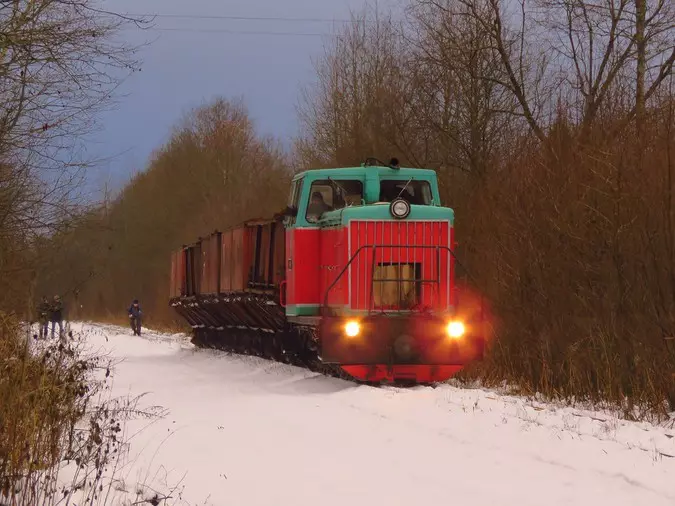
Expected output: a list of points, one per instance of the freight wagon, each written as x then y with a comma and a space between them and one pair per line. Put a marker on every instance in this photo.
357, 276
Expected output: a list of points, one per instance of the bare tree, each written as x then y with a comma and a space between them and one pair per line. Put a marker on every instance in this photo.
597, 43
60, 66
362, 103
575, 52
457, 74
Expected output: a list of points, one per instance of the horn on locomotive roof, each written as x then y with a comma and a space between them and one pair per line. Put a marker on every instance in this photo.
375, 162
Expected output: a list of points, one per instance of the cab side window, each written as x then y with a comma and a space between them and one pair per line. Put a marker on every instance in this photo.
331, 194
294, 200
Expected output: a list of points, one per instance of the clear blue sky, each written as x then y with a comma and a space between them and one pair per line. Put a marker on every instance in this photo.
185, 68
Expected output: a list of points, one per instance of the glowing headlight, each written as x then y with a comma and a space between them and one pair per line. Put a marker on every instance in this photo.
352, 329
455, 329
399, 208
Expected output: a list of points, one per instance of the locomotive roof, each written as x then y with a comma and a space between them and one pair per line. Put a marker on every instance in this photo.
363, 170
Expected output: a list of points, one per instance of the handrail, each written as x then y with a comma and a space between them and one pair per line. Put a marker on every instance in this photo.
374, 248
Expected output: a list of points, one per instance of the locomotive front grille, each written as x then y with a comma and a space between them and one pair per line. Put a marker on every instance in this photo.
399, 265
397, 285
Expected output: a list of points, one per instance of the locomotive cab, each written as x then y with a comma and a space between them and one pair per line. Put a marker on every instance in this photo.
370, 264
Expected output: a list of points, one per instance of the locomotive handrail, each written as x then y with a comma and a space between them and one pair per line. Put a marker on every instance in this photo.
374, 248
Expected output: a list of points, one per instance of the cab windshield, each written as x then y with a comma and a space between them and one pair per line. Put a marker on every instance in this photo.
414, 191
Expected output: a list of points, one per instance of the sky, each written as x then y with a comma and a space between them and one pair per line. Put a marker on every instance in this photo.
191, 60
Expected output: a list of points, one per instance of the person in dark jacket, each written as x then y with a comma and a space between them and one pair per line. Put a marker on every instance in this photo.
317, 206
135, 317
56, 314
43, 310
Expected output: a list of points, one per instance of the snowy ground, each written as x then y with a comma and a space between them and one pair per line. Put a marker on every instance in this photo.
244, 431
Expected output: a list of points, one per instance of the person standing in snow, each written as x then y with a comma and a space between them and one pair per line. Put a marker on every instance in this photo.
43, 310
135, 317
56, 314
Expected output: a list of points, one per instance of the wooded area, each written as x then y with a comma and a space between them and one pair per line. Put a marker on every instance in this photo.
552, 127
214, 172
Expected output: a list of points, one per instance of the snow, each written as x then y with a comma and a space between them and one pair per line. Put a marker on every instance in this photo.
245, 431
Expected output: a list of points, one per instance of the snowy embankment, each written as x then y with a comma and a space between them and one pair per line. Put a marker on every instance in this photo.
245, 431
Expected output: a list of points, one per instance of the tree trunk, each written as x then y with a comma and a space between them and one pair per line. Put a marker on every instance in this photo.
641, 13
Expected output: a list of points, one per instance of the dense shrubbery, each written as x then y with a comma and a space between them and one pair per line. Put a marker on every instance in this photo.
579, 264
62, 436
51, 413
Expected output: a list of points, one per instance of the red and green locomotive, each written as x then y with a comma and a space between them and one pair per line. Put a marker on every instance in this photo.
356, 276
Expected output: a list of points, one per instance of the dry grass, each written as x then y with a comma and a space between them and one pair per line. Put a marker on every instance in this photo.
61, 439
42, 398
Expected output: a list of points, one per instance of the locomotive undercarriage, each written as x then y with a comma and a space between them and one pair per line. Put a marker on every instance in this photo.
254, 325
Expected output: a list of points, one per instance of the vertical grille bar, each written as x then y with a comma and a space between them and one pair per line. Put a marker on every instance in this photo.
437, 267
450, 266
424, 296
358, 262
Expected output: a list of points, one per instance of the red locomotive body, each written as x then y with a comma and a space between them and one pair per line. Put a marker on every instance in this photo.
367, 289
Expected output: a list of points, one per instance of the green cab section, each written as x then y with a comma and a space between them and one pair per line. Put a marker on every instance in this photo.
333, 197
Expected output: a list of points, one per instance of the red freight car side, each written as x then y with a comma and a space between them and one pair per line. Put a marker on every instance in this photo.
203, 273
261, 235
267, 253
178, 281
247, 257
226, 261
234, 260
239, 260
214, 262
174, 273
210, 264
181, 281
194, 271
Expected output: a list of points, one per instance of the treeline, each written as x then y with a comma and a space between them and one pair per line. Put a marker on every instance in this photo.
552, 130
213, 172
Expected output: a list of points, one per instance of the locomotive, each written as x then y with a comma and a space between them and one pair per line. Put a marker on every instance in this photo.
355, 278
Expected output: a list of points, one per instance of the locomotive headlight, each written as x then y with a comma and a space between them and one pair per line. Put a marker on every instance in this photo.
399, 208
455, 329
352, 328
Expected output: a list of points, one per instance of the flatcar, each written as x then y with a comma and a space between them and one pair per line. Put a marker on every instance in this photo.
356, 277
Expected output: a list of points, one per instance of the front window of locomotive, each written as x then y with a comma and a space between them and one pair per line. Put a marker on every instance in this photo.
330, 194
415, 191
